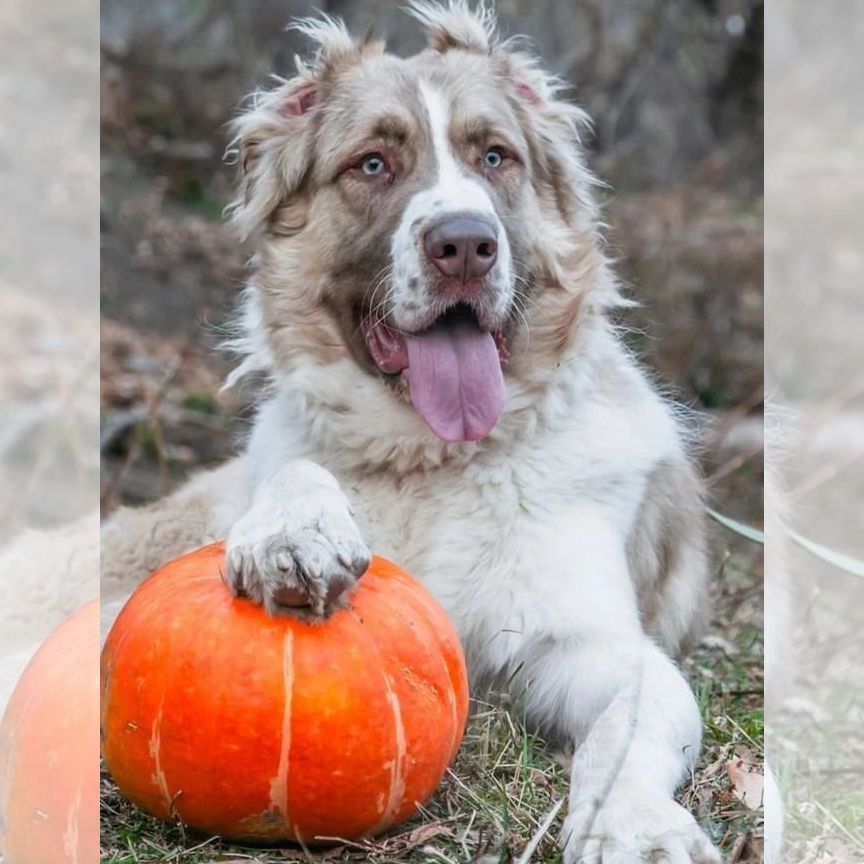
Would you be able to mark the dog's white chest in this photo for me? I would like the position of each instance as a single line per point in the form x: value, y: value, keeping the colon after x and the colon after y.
x: 507, y: 549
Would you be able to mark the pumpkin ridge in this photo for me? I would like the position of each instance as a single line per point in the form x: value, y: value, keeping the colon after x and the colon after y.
x: 428, y: 624
x: 279, y: 784
x: 395, y: 794
x: 154, y: 747
x: 397, y: 775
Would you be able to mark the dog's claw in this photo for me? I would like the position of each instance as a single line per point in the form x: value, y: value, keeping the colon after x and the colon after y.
x: 307, y: 562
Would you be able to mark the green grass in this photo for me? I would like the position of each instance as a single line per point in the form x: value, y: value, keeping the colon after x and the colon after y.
x: 194, y: 195
x: 202, y: 401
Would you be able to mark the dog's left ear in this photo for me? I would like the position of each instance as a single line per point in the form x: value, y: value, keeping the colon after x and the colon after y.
x: 554, y: 127
x: 455, y: 25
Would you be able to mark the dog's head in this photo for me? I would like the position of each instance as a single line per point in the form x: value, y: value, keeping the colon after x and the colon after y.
x: 428, y: 221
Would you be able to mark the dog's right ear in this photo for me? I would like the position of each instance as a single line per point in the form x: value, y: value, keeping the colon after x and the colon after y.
x: 273, y: 141
x: 272, y: 146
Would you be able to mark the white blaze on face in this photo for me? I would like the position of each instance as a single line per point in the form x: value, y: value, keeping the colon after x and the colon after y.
x: 453, y: 190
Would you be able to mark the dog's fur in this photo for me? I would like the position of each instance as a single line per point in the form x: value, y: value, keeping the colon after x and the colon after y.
x: 567, y: 545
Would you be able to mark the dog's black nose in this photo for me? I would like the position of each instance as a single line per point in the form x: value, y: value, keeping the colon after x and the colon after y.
x: 462, y: 246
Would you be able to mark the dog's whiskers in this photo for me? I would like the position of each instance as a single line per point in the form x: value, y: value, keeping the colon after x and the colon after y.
x: 373, y: 306
x: 520, y: 303
x: 379, y: 280
x: 368, y: 306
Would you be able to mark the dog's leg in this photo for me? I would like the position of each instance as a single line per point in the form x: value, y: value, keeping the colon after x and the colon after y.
x: 297, y: 545
x: 637, y: 731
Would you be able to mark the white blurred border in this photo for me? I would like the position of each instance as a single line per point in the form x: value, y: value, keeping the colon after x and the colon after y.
x: 814, y: 320
x: 49, y: 326
x: 49, y: 425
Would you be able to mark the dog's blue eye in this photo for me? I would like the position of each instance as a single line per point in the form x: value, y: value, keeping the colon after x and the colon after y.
x: 373, y: 165
x: 493, y: 158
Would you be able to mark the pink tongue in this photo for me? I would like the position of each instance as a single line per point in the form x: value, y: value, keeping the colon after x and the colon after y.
x: 456, y: 381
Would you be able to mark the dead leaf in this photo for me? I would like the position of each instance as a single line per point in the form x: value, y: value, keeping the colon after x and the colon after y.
x: 747, y: 782
x: 422, y: 834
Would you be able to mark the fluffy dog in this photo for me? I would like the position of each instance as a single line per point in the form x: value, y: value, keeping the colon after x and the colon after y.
x: 429, y: 302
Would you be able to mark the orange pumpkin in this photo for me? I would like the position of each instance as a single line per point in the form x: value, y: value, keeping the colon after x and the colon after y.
x: 49, y: 750
x: 268, y: 728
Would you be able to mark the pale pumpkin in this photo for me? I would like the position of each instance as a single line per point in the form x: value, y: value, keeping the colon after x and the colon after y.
x: 49, y: 750
x: 270, y: 728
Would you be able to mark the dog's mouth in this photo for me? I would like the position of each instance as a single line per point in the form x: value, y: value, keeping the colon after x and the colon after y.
x: 453, y: 369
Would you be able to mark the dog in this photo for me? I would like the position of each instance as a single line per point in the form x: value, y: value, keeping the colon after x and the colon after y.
x: 430, y: 304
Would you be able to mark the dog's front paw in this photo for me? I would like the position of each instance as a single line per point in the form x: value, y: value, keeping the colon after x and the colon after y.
x: 306, y: 559
x: 634, y: 827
